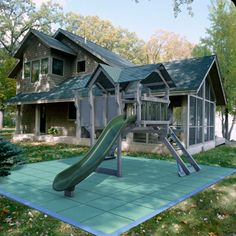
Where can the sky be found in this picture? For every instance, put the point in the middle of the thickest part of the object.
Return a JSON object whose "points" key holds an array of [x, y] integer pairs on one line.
{"points": [[146, 17]]}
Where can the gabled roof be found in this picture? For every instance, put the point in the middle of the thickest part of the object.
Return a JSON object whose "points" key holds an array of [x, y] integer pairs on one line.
{"points": [[102, 53], [189, 74], [46, 40], [142, 72], [145, 73]]}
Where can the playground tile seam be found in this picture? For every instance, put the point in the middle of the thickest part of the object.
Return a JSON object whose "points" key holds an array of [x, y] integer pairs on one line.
{"points": [[129, 207]]}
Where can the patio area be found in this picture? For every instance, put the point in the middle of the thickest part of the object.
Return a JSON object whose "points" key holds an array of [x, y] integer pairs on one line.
{"points": [[107, 205]]}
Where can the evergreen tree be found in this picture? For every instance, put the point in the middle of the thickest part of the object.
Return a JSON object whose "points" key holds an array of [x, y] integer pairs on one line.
{"points": [[9, 156]]}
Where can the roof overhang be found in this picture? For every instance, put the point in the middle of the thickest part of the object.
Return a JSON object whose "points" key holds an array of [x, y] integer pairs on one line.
{"points": [[16, 68], [85, 45], [216, 80], [102, 79], [214, 75], [158, 79], [22, 100], [33, 33]]}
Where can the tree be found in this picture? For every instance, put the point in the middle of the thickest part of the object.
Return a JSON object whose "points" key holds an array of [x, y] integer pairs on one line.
{"points": [[167, 46], [220, 40], [119, 40], [7, 86], [17, 17]]}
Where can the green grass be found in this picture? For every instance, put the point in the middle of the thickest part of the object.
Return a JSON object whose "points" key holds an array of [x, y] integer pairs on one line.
{"points": [[37, 152], [211, 212], [6, 133]]}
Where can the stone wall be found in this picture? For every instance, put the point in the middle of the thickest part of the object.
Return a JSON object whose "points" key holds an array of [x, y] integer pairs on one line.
{"points": [[91, 61], [28, 118], [36, 51]]}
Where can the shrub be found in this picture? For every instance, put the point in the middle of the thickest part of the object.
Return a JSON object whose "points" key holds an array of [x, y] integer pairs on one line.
{"points": [[9, 156], [53, 130]]}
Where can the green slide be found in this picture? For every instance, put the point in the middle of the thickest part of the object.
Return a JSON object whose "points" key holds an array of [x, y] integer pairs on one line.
{"points": [[68, 178]]}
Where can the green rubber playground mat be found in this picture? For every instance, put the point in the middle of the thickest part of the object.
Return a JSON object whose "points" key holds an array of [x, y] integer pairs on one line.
{"points": [[108, 205]]}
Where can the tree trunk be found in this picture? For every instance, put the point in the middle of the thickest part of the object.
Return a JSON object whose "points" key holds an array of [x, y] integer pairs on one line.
{"points": [[227, 123], [232, 126], [222, 122], [1, 119]]}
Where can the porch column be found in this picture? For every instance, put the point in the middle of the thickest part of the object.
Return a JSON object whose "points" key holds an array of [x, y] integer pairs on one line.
{"points": [[92, 120], [117, 93], [77, 122], [119, 141], [138, 99], [105, 109], [185, 120], [37, 120], [18, 120]]}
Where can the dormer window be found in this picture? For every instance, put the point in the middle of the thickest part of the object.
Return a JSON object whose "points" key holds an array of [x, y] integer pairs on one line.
{"points": [[57, 66], [35, 71], [27, 70], [80, 66], [44, 66]]}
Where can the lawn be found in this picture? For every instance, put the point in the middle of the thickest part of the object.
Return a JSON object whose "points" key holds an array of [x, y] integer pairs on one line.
{"points": [[211, 212]]}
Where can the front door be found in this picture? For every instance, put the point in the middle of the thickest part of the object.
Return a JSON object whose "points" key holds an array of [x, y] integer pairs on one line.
{"points": [[43, 119]]}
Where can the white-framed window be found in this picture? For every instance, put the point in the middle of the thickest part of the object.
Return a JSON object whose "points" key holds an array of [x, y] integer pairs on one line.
{"points": [[44, 66], [34, 68]]}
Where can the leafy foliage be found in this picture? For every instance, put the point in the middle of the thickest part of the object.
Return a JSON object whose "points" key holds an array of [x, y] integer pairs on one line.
{"points": [[102, 32], [179, 3], [53, 130], [7, 86], [17, 17], [162, 47], [8, 156]]}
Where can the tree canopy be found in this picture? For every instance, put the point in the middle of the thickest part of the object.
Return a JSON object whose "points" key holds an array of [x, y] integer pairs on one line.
{"points": [[162, 47], [104, 33], [17, 17]]}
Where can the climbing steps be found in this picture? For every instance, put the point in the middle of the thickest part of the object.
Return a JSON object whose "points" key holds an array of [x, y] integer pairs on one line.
{"points": [[173, 144]]}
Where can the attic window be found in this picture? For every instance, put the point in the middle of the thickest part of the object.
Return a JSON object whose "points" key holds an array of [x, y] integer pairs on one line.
{"points": [[80, 66], [57, 66]]}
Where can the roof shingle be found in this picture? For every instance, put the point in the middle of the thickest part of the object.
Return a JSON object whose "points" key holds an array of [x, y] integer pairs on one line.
{"points": [[104, 54]]}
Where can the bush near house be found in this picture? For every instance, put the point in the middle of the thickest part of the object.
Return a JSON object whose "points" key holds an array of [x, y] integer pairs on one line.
{"points": [[53, 131], [9, 156]]}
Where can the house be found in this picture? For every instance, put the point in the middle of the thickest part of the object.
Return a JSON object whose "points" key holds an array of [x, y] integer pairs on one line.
{"points": [[63, 79]]}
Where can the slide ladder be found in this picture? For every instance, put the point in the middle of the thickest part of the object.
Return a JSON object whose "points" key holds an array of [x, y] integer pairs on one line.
{"points": [[173, 144]]}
